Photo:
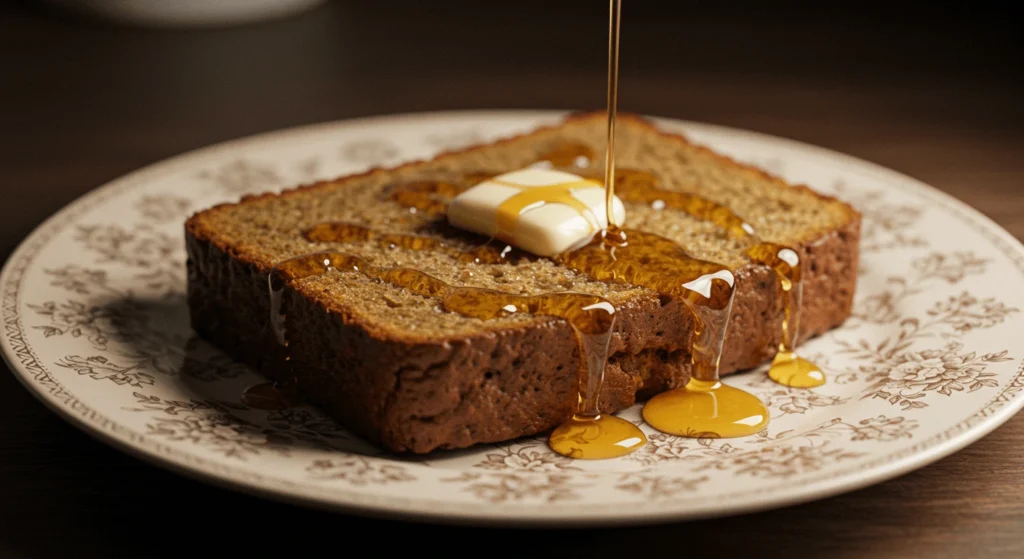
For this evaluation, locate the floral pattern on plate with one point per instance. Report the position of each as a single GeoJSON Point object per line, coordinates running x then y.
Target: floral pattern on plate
{"type": "Point", "coordinates": [95, 324]}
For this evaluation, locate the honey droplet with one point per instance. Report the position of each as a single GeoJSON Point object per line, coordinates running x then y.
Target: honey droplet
{"type": "Point", "coordinates": [706, 410]}
{"type": "Point", "coordinates": [792, 370]}
{"type": "Point", "coordinates": [788, 368]}
{"type": "Point", "coordinates": [596, 438]}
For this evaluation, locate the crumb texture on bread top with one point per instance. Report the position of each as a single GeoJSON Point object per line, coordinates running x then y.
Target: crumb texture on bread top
{"type": "Point", "coordinates": [267, 229]}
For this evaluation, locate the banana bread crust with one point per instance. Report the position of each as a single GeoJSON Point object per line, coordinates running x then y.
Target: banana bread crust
{"type": "Point", "coordinates": [410, 395]}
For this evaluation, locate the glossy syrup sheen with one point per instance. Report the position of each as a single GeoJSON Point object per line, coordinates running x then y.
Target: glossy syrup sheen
{"type": "Point", "coordinates": [707, 409]}
{"type": "Point", "coordinates": [596, 437]}
{"type": "Point", "coordinates": [588, 434]}
{"type": "Point", "coordinates": [427, 196]}
{"type": "Point", "coordinates": [637, 186]}
{"type": "Point", "coordinates": [433, 196]}
{"type": "Point", "coordinates": [532, 197]}
{"type": "Point", "coordinates": [707, 290]}
{"type": "Point", "coordinates": [787, 368]}
{"type": "Point", "coordinates": [341, 232]}
{"type": "Point", "coordinates": [614, 24]}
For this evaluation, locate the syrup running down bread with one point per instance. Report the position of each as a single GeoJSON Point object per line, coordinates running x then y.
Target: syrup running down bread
{"type": "Point", "coordinates": [642, 187]}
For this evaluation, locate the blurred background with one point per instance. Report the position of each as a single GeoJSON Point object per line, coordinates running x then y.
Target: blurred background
{"type": "Point", "coordinates": [932, 89]}
{"type": "Point", "coordinates": [93, 90]}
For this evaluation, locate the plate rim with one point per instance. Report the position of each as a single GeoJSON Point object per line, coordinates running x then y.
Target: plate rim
{"type": "Point", "coordinates": [420, 510]}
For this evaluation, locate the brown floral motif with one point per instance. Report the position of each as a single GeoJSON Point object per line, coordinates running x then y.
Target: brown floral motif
{"type": "Point", "coordinates": [215, 424]}
{"type": "Point", "coordinates": [78, 280]}
{"type": "Point", "coordinates": [781, 461]}
{"type": "Point", "coordinates": [950, 267]}
{"type": "Point", "coordinates": [76, 319]}
{"type": "Point", "coordinates": [138, 342]}
{"type": "Point", "coordinates": [881, 307]}
{"type": "Point", "coordinates": [161, 208]}
{"type": "Point", "coordinates": [526, 458]}
{"type": "Point", "coordinates": [370, 151]}
{"type": "Point", "coordinates": [209, 425]}
{"type": "Point", "coordinates": [796, 401]}
{"type": "Point", "coordinates": [141, 247]}
{"type": "Point", "coordinates": [503, 487]}
{"type": "Point", "coordinates": [359, 471]}
{"type": "Point", "coordinates": [658, 487]}
{"type": "Point", "coordinates": [243, 177]}
{"type": "Point", "coordinates": [966, 312]}
{"type": "Point", "coordinates": [99, 367]}
{"type": "Point", "coordinates": [134, 343]}
{"type": "Point", "coordinates": [215, 432]}
{"type": "Point", "coordinates": [307, 425]}
{"type": "Point", "coordinates": [906, 377]}
{"type": "Point", "coordinates": [885, 224]}
{"type": "Point", "coordinates": [157, 256]}
{"type": "Point", "coordinates": [662, 447]}
{"type": "Point", "coordinates": [210, 367]}
{"type": "Point", "coordinates": [880, 428]}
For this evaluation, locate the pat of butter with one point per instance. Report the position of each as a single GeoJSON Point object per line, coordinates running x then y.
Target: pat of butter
{"type": "Point", "coordinates": [541, 211]}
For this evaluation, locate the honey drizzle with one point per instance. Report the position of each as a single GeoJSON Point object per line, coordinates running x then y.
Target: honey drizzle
{"type": "Point", "coordinates": [659, 264]}
{"type": "Point", "coordinates": [637, 186]}
{"type": "Point", "coordinates": [341, 232]}
{"type": "Point", "coordinates": [787, 367]}
{"type": "Point", "coordinates": [533, 197]}
{"type": "Point", "coordinates": [707, 290]}
{"type": "Point", "coordinates": [433, 196]}
{"type": "Point", "coordinates": [588, 433]}
{"type": "Point", "coordinates": [614, 23]}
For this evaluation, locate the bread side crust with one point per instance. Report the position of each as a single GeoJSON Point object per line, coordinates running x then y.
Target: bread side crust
{"type": "Point", "coordinates": [418, 395]}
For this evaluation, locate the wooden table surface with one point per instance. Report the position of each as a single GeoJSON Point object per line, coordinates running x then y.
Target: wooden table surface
{"type": "Point", "coordinates": [936, 95]}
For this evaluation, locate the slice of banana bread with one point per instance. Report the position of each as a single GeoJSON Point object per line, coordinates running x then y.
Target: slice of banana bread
{"type": "Point", "coordinates": [394, 367]}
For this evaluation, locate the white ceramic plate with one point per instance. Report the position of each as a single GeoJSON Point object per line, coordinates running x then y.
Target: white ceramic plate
{"type": "Point", "coordinates": [96, 326]}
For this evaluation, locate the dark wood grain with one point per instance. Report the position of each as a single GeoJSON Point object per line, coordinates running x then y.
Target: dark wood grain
{"type": "Point", "coordinates": [935, 94]}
